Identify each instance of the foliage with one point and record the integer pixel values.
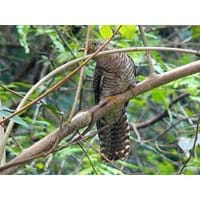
(28, 53)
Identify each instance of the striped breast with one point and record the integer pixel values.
(114, 73)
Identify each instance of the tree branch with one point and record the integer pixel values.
(3, 160)
(148, 53)
(84, 118)
(81, 78)
(160, 116)
(193, 148)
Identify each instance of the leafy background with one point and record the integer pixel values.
(28, 53)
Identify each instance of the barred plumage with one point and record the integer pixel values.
(114, 73)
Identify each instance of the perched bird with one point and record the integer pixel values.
(114, 74)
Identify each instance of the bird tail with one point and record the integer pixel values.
(114, 135)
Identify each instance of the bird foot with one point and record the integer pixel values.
(113, 99)
(106, 101)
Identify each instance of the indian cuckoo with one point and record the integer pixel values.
(114, 74)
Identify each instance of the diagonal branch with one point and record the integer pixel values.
(84, 118)
(80, 83)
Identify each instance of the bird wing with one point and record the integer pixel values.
(97, 83)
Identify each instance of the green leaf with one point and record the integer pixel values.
(52, 108)
(195, 32)
(23, 31)
(40, 165)
(195, 98)
(16, 119)
(13, 150)
(158, 68)
(105, 31)
(21, 84)
(165, 168)
(86, 171)
(129, 165)
(110, 170)
(128, 31)
(138, 101)
(160, 96)
(57, 43)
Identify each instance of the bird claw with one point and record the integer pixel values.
(107, 100)
(113, 99)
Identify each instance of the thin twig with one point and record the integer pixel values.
(80, 83)
(91, 163)
(17, 144)
(192, 151)
(163, 133)
(151, 68)
(102, 155)
(64, 41)
(136, 132)
(160, 116)
(8, 165)
(3, 160)
(58, 137)
(14, 92)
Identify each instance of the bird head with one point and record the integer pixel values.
(94, 45)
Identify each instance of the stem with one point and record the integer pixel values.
(91, 163)
(3, 160)
(64, 41)
(193, 148)
(151, 68)
(80, 83)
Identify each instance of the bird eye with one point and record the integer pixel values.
(94, 43)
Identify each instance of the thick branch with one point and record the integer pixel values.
(84, 118)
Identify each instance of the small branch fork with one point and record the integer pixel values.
(151, 68)
(192, 151)
(161, 115)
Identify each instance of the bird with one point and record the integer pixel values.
(114, 74)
